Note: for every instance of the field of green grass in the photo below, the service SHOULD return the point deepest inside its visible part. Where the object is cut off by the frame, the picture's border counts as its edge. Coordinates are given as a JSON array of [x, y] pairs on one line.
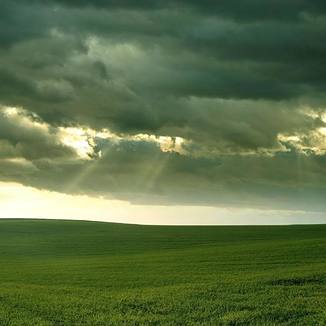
[[87, 273]]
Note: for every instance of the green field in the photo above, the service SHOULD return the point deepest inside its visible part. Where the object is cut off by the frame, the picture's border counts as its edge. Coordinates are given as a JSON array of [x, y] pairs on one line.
[[88, 273]]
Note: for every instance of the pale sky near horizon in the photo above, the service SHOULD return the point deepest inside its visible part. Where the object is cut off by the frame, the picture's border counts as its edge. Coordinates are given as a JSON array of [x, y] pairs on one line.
[[17, 201], [163, 111]]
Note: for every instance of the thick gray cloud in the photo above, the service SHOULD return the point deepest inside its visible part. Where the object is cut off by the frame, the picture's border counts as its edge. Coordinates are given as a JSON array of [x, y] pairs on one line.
[[22, 136], [247, 9], [141, 173], [242, 83]]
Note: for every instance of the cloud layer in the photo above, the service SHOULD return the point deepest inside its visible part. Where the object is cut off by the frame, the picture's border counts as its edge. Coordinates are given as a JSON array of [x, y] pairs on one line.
[[191, 102]]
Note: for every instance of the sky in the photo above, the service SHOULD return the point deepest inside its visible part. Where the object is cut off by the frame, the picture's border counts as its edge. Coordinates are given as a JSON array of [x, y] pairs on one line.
[[163, 112]]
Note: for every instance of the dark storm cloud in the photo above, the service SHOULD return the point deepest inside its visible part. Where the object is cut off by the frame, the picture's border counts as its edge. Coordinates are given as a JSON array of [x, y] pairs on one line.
[[141, 173], [236, 80], [245, 10], [20, 21], [21, 138]]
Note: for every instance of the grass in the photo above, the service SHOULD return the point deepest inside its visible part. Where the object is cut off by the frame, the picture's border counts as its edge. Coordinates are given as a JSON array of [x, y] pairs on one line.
[[88, 273]]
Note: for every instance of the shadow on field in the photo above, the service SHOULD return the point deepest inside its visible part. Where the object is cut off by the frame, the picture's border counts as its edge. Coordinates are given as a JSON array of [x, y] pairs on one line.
[[303, 280]]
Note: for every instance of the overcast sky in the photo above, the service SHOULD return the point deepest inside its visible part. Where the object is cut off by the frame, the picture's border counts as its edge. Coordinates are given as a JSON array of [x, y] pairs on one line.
[[175, 111]]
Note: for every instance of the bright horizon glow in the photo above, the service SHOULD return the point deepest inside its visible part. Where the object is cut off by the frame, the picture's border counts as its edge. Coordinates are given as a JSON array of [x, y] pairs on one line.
[[18, 201]]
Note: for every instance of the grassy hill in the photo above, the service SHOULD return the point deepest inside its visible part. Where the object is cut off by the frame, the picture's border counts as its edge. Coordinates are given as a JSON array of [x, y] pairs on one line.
[[88, 273]]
